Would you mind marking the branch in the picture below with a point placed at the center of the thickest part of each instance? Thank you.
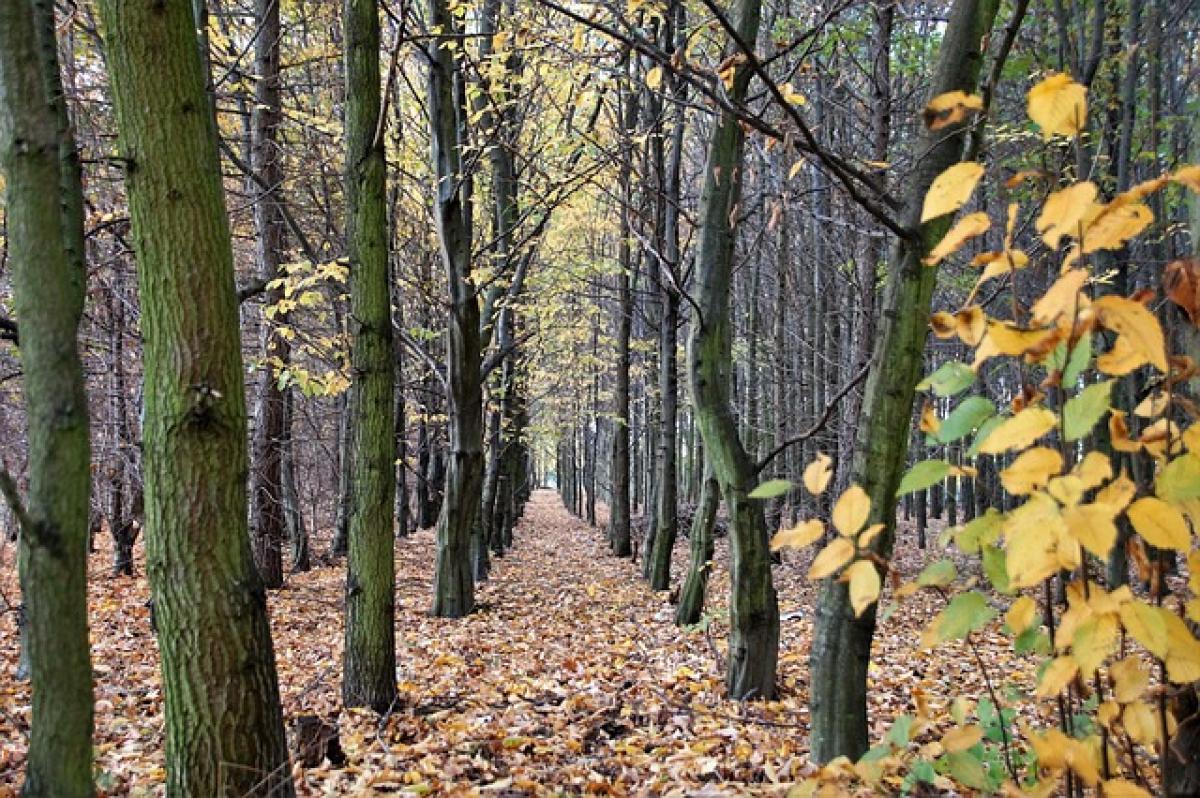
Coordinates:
(818, 424)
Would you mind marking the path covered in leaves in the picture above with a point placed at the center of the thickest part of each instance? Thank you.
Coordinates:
(570, 678)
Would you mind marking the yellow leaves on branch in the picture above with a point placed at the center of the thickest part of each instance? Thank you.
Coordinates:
(951, 190)
(851, 511)
(1058, 105)
(839, 552)
(1061, 298)
(1032, 469)
(802, 534)
(1160, 524)
(865, 584)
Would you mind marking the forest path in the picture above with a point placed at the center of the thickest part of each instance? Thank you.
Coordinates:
(570, 678)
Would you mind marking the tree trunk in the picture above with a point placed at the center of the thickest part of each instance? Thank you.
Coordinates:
(46, 248)
(454, 586)
(224, 730)
(691, 597)
(842, 643)
(369, 658)
(268, 525)
(753, 610)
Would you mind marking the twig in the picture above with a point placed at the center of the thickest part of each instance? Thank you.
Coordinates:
(817, 425)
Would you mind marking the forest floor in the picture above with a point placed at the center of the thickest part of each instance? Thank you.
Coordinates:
(570, 678)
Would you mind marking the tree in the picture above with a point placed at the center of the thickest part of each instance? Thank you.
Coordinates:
(268, 524)
(369, 667)
(454, 584)
(224, 729)
(46, 248)
(842, 642)
(753, 608)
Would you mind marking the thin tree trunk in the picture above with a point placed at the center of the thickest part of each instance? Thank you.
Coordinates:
(753, 610)
(695, 584)
(369, 658)
(46, 249)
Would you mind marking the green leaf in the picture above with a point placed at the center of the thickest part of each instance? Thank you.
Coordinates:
(995, 567)
(922, 475)
(1081, 412)
(979, 531)
(899, 733)
(967, 612)
(938, 574)
(1081, 355)
(1033, 639)
(1179, 481)
(965, 419)
(770, 489)
(965, 768)
(950, 378)
(984, 431)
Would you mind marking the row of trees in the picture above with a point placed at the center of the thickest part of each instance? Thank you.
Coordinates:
(485, 271)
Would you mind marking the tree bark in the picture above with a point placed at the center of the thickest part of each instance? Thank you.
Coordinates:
(268, 525)
(369, 659)
(224, 730)
(753, 610)
(842, 643)
(46, 251)
(454, 585)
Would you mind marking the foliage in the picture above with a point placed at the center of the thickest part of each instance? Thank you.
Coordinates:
(1072, 497)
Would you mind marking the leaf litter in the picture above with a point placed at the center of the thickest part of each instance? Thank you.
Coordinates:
(570, 678)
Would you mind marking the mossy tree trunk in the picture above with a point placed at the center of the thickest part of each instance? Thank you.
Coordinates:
(454, 585)
(46, 251)
(842, 643)
(224, 730)
(753, 607)
(369, 659)
(695, 584)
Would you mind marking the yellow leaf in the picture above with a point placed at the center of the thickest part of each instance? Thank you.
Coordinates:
(929, 423)
(1019, 431)
(1121, 359)
(1134, 322)
(864, 585)
(1032, 532)
(1058, 105)
(951, 190)
(1005, 262)
(802, 534)
(1130, 680)
(818, 473)
(970, 226)
(1188, 176)
(1064, 211)
(1060, 673)
(1118, 493)
(1093, 641)
(970, 324)
(950, 108)
(1060, 298)
(961, 738)
(839, 552)
(1093, 469)
(1092, 525)
(1020, 614)
(869, 534)
(1140, 722)
(1160, 524)
(1120, 788)
(851, 511)
(1115, 226)
(1008, 339)
(943, 324)
(654, 77)
(1145, 624)
(1032, 469)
